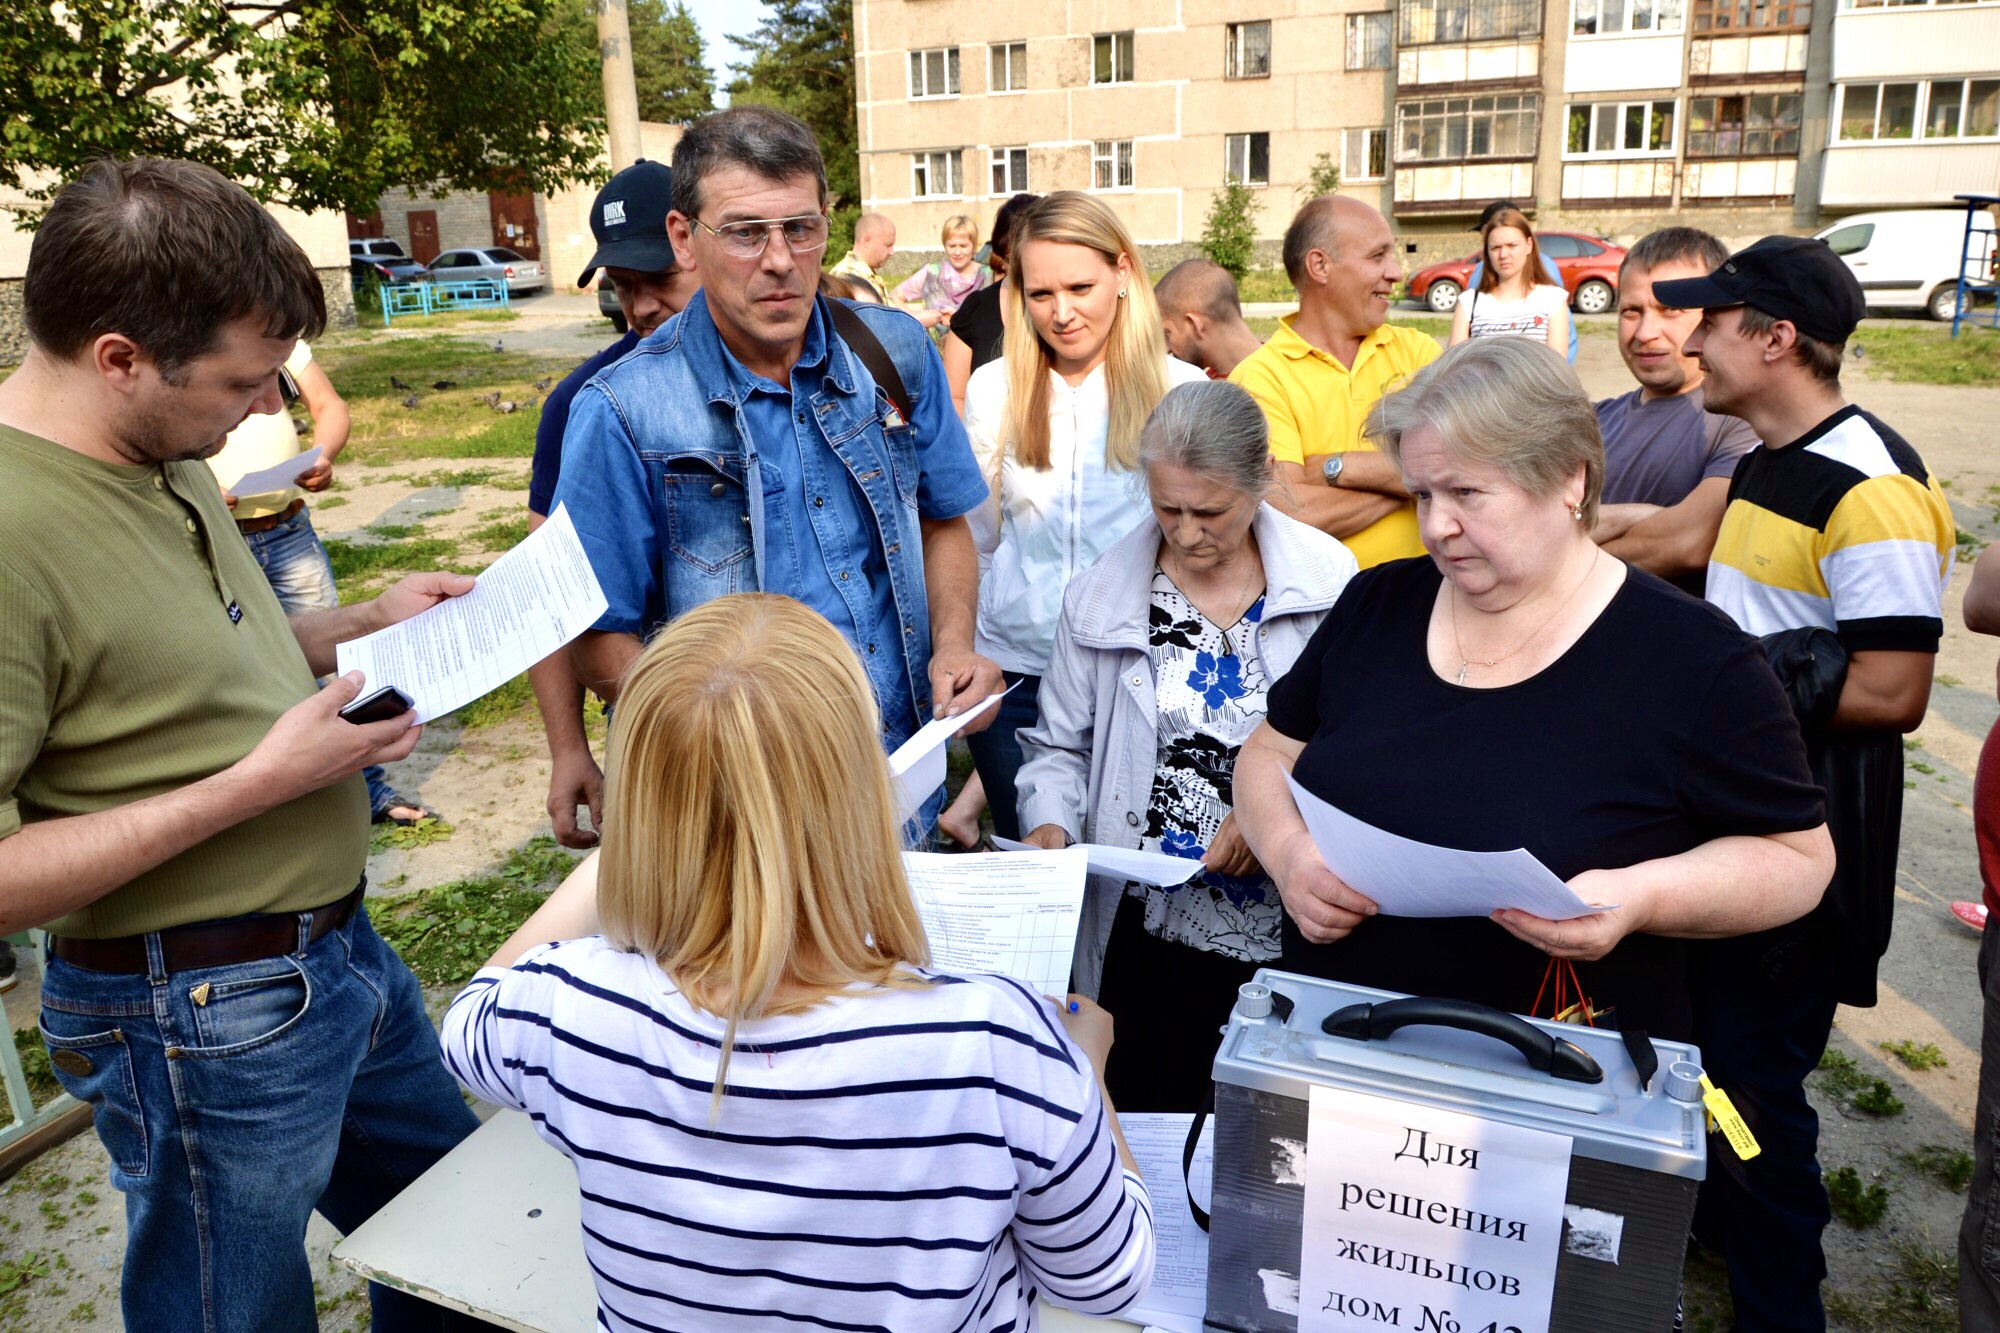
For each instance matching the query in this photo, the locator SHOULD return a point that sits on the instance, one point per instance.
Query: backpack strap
(854, 331)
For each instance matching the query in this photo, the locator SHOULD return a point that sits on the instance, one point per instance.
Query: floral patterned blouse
(1209, 687)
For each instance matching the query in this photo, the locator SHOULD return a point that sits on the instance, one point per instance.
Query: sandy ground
(492, 784)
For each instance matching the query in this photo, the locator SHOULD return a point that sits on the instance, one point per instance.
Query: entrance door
(423, 235)
(364, 227)
(514, 224)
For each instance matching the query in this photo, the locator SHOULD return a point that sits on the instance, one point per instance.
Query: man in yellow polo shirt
(1325, 367)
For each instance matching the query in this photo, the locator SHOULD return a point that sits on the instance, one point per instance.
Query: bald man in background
(1203, 316)
(874, 242)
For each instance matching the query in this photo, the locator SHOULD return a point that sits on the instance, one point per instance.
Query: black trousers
(1169, 1003)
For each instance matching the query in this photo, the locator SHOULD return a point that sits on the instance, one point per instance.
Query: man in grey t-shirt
(1667, 459)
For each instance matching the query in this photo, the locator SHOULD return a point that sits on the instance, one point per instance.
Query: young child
(945, 283)
(772, 1105)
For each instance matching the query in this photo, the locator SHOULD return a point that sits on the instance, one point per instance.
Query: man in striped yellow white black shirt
(1835, 523)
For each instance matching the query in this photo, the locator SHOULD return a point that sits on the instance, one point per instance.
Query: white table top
(495, 1230)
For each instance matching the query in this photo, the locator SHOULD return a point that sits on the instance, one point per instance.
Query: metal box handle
(1543, 1051)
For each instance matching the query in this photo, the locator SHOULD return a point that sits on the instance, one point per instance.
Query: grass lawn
(445, 423)
(1920, 355)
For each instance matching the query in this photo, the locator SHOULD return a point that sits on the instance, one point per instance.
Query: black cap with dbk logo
(629, 219)
(1793, 278)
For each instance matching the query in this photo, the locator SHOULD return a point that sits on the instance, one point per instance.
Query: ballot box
(1618, 1209)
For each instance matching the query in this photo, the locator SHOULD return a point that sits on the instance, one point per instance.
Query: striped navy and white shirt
(933, 1159)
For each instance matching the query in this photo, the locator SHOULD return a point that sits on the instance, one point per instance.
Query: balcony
(1461, 187)
(1623, 63)
(1905, 173)
(1739, 180)
(1748, 58)
(1647, 183)
(1915, 41)
(1468, 43)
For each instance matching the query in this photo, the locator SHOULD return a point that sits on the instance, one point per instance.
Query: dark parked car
(385, 260)
(1589, 267)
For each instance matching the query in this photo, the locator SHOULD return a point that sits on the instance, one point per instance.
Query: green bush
(1854, 1203)
(1229, 233)
(1323, 177)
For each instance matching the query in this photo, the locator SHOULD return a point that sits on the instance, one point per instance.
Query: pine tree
(802, 61)
(669, 62)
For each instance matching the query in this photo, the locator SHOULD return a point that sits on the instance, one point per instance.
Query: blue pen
(1072, 1006)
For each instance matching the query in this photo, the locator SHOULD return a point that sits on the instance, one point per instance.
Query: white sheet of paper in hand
(277, 477)
(1011, 913)
(1155, 868)
(919, 762)
(1178, 1297)
(1410, 878)
(527, 604)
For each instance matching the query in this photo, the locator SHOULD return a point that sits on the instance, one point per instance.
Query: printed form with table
(1014, 912)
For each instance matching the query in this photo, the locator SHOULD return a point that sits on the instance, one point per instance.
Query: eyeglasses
(746, 240)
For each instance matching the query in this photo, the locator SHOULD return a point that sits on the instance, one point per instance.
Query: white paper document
(1155, 868)
(919, 762)
(1010, 913)
(527, 604)
(1410, 878)
(1179, 1295)
(277, 477)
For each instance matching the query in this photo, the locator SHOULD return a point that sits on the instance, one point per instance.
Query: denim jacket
(1090, 758)
(658, 462)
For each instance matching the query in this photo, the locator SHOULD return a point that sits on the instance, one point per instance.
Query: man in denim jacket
(745, 446)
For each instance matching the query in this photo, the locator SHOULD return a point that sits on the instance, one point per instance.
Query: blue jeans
(299, 570)
(996, 752)
(235, 1101)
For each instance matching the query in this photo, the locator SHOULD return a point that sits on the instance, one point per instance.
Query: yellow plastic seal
(1722, 1114)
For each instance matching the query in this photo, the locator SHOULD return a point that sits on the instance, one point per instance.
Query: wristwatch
(1330, 469)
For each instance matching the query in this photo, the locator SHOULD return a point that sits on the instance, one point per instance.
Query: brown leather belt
(269, 521)
(208, 944)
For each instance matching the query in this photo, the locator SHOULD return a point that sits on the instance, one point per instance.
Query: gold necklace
(1467, 663)
(1249, 586)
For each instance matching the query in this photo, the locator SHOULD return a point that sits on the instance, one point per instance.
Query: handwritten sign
(1425, 1219)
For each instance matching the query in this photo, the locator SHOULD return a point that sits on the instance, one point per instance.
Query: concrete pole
(621, 94)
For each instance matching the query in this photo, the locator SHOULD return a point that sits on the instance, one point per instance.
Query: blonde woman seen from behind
(1515, 297)
(740, 1047)
(1055, 425)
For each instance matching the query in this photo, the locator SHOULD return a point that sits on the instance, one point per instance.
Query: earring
(1576, 512)
(1121, 293)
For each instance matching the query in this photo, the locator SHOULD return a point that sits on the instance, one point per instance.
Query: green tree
(316, 103)
(669, 62)
(1323, 177)
(1229, 232)
(802, 61)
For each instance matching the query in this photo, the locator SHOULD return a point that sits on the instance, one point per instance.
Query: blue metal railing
(430, 298)
(1977, 277)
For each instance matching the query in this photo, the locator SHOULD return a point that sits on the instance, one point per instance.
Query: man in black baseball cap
(629, 220)
(1833, 526)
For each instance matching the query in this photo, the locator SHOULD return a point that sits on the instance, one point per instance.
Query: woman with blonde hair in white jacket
(1055, 425)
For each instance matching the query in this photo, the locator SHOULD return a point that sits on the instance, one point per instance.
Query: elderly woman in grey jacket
(1162, 657)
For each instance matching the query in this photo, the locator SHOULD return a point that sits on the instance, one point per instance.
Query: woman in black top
(973, 336)
(1520, 688)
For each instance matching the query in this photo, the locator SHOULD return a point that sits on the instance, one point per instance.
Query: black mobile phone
(288, 387)
(380, 706)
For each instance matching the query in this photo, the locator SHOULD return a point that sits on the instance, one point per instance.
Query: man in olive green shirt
(179, 804)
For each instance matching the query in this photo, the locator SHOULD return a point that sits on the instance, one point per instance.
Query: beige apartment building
(1744, 116)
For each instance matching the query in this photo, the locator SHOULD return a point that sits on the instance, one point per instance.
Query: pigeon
(541, 385)
(506, 407)
(1860, 352)
(498, 346)
(395, 383)
(444, 384)
(490, 399)
(411, 401)
(532, 401)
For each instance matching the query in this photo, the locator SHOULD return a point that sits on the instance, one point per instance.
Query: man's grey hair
(1675, 245)
(1315, 228)
(1510, 403)
(764, 140)
(1213, 429)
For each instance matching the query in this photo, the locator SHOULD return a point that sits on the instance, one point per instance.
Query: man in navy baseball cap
(629, 220)
(1834, 526)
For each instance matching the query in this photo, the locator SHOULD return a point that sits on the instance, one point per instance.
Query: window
(1851, 240)
(1420, 22)
(1876, 111)
(1751, 125)
(1007, 67)
(1963, 109)
(1111, 57)
(1111, 164)
(1736, 15)
(1604, 17)
(1364, 155)
(1247, 159)
(1010, 170)
(1620, 129)
(1368, 41)
(934, 73)
(934, 174)
(1249, 52)
(1878, 4)
(1448, 129)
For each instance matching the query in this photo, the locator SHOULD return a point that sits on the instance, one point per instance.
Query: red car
(1589, 267)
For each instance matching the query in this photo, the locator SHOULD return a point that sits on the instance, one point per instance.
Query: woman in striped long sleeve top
(779, 1117)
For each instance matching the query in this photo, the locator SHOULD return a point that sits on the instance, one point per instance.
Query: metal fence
(430, 298)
